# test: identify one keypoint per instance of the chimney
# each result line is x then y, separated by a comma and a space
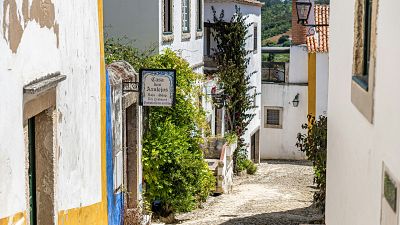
298, 30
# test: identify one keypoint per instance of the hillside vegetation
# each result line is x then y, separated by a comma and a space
276, 19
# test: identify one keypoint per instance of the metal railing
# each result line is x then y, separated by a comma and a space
274, 72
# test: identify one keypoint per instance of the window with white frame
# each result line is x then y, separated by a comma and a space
167, 28
186, 16
273, 117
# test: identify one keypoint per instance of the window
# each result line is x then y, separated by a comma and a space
186, 16
167, 16
364, 56
255, 34
199, 15
273, 117
207, 39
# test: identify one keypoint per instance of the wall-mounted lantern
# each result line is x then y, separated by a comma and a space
296, 101
218, 96
303, 9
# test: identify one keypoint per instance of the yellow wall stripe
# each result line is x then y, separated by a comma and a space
104, 214
17, 218
312, 83
97, 213
93, 214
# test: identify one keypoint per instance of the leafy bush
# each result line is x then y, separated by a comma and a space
246, 164
252, 168
174, 169
283, 39
122, 49
314, 144
231, 138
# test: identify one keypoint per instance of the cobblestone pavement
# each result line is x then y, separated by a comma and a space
279, 194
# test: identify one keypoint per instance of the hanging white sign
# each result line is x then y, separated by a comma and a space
157, 87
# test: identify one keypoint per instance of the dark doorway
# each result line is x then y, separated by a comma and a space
41, 168
255, 147
132, 163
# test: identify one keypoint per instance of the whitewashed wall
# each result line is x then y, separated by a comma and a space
77, 55
281, 143
142, 22
254, 16
357, 149
191, 50
278, 143
322, 84
298, 68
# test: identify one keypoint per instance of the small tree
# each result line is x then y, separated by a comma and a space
174, 168
231, 56
314, 144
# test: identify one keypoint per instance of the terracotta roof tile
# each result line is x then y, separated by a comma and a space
319, 42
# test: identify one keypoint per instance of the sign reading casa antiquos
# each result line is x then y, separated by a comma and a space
157, 87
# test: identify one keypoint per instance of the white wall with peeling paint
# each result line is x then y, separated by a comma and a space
78, 163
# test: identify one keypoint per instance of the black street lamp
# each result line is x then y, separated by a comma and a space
303, 9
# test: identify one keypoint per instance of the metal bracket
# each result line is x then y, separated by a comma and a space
130, 87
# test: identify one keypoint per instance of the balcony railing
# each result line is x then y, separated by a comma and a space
274, 72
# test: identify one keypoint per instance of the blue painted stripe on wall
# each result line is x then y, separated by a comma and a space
115, 201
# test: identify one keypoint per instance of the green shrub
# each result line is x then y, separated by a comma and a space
246, 164
231, 138
252, 169
314, 144
174, 169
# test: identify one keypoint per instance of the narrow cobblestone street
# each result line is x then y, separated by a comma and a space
280, 193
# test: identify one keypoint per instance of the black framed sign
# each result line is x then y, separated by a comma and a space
157, 87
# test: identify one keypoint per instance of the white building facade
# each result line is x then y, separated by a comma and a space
292, 91
251, 9
51, 145
281, 118
363, 171
160, 24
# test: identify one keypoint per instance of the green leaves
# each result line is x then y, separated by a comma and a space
314, 144
233, 61
174, 169
173, 164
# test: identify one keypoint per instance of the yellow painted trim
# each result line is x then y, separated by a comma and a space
96, 213
92, 214
104, 212
19, 218
312, 83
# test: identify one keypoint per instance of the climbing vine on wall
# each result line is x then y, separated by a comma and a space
232, 59
314, 144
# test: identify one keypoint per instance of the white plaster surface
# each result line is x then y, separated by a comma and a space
78, 103
276, 143
298, 69
357, 149
142, 22
322, 84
